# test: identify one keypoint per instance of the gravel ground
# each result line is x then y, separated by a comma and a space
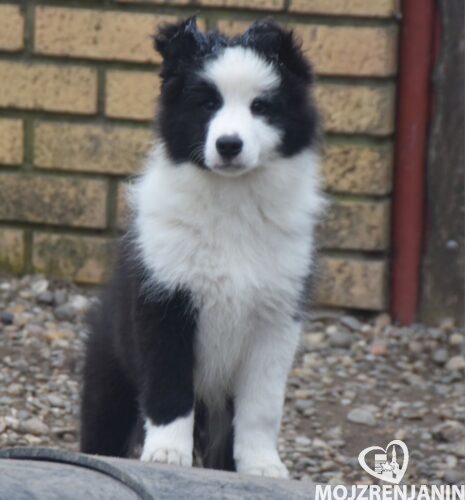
356, 383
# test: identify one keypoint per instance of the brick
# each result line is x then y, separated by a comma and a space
48, 87
53, 200
231, 27
11, 28
93, 34
362, 8
158, 2
11, 141
131, 94
351, 282
350, 51
358, 169
244, 4
273, 5
12, 250
122, 208
356, 225
357, 108
340, 50
90, 148
84, 259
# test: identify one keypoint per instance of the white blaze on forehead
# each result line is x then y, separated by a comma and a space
241, 75
240, 72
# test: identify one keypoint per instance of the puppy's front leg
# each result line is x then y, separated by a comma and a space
259, 399
165, 332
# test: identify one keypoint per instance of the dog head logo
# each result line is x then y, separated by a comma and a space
386, 461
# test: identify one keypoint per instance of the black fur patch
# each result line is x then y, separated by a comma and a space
139, 357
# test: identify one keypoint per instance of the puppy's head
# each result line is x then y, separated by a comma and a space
232, 105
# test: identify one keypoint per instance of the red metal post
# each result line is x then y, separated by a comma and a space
414, 98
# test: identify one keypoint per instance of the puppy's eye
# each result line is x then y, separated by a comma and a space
259, 106
210, 104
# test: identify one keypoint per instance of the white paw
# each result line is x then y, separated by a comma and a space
169, 444
167, 456
266, 465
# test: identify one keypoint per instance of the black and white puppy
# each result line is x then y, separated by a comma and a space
197, 330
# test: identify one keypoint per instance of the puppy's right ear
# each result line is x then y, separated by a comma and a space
179, 43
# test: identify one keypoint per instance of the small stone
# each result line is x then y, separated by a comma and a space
45, 298
341, 339
15, 389
361, 416
379, 348
314, 341
7, 317
415, 347
400, 434
459, 449
11, 422
55, 400
412, 413
454, 477
60, 297
39, 286
456, 339
33, 426
303, 441
447, 324
79, 303
449, 431
352, 323
440, 356
66, 312
456, 363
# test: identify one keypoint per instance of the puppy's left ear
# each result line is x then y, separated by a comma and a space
280, 46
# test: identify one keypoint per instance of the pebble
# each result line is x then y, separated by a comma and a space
33, 426
353, 323
456, 339
65, 312
14, 389
55, 400
45, 297
454, 477
7, 317
361, 416
340, 339
440, 356
379, 348
456, 363
303, 441
60, 297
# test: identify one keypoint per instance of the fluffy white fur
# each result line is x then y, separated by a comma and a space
243, 246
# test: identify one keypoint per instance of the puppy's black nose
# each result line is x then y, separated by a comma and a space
229, 146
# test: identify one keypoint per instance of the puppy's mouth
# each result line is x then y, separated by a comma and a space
229, 169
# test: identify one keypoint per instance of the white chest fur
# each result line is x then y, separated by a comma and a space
242, 246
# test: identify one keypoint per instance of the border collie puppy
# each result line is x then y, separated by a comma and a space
198, 328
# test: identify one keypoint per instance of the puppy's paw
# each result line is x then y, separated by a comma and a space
169, 444
166, 456
265, 465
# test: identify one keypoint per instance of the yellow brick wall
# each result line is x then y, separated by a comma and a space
78, 90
